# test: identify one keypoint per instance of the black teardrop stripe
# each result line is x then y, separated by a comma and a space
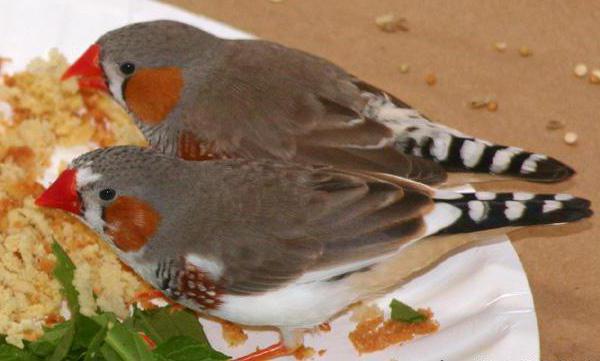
507, 196
516, 162
494, 213
547, 170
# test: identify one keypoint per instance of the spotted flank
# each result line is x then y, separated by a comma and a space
187, 284
485, 210
458, 152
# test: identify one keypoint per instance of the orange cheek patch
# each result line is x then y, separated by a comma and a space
151, 94
130, 223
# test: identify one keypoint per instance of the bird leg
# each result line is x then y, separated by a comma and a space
292, 339
268, 353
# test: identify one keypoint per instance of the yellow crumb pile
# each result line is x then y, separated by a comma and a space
38, 112
373, 333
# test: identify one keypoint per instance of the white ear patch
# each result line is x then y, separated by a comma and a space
86, 176
115, 81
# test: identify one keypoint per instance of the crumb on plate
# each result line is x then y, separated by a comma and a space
40, 113
373, 333
233, 334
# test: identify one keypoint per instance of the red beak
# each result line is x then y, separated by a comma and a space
62, 193
87, 68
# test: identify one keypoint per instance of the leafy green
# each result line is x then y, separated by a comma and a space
53, 337
124, 344
184, 348
178, 335
163, 323
404, 313
12, 353
64, 271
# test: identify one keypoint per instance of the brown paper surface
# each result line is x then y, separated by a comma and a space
454, 40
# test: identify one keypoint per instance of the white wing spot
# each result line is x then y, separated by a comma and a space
502, 159
550, 206
476, 210
441, 145
530, 164
563, 197
523, 196
514, 210
485, 196
471, 152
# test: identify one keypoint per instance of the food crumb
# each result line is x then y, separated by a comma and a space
276, 1
233, 334
580, 70
554, 124
303, 353
595, 76
430, 79
321, 352
492, 106
404, 68
571, 138
500, 46
376, 334
524, 51
478, 103
325, 327
42, 113
362, 312
391, 23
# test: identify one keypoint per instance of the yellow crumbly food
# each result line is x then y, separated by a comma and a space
38, 112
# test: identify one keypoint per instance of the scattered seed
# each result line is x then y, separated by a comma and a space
390, 23
525, 51
595, 76
276, 1
580, 70
554, 124
430, 79
571, 138
404, 68
500, 46
478, 103
492, 106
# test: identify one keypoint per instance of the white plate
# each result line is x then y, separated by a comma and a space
480, 297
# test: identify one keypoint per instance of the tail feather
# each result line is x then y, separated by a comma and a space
416, 135
484, 210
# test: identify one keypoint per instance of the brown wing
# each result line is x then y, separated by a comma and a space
328, 221
262, 100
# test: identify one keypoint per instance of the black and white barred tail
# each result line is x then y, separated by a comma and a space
485, 210
458, 152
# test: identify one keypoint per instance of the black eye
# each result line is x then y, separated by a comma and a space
127, 68
107, 194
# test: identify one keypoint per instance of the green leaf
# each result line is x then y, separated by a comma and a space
404, 313
46, 345
184, 348
164, 323
124, 344
64, 271
64, 345
13, 353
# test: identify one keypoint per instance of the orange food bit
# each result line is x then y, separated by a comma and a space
325, 327
303, 353
375, 334
233, 334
